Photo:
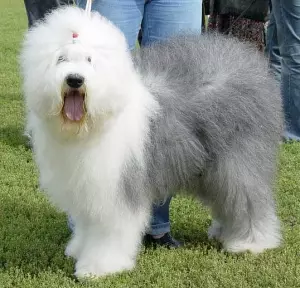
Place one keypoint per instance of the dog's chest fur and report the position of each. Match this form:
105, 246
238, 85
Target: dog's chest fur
84, 176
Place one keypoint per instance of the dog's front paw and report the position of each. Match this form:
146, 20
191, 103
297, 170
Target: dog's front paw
94, 267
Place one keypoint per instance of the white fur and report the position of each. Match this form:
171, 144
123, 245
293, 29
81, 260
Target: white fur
80, 166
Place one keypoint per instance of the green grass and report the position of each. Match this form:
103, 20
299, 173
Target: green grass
33, 233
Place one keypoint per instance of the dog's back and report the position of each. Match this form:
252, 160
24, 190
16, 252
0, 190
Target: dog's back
221, 81
216, 95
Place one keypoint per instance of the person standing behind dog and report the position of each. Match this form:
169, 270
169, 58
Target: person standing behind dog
157, 20
283, 49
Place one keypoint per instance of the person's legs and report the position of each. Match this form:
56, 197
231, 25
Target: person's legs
127, 15
287, 18
163, 19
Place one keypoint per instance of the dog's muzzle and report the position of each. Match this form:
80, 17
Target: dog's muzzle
74, 93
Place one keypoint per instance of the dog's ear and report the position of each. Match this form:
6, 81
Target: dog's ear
88, 7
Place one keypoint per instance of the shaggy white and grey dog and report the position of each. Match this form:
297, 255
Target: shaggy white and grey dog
114, 132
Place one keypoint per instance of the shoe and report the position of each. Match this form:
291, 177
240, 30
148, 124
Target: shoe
166, 241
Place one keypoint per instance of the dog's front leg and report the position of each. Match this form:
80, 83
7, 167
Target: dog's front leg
110, 246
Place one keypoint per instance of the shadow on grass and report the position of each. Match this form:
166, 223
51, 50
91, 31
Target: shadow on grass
194, 235
196, 242
14, 136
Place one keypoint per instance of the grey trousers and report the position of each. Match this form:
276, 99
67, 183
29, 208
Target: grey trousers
36, 9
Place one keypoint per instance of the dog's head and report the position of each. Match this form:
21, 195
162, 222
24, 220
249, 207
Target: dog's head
76, 69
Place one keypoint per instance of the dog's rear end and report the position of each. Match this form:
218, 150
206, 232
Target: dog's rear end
218, 133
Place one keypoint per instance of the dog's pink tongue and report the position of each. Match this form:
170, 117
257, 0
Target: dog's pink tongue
73, 107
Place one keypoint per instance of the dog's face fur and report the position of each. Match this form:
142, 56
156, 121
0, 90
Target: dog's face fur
71, 63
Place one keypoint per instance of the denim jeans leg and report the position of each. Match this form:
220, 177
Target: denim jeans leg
272, 48
161, 220
165, 18
287, 18
127, 15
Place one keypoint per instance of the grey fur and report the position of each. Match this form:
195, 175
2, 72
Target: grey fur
218, 132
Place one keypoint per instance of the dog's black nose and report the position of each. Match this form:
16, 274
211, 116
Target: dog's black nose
75, 80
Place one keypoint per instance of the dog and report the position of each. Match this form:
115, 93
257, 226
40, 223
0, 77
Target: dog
115, 131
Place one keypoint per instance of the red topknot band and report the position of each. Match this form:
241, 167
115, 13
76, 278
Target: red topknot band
75, 35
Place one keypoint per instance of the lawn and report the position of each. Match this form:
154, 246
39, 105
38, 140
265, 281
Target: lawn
33, 233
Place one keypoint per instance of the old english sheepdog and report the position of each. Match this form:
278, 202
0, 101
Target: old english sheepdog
113, 132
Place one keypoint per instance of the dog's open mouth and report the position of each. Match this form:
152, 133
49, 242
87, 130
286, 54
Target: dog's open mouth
74, 105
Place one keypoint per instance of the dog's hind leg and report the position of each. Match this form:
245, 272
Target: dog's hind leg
242, 204
111, 246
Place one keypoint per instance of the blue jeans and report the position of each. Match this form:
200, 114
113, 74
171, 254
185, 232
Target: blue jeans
283, 49
158, 20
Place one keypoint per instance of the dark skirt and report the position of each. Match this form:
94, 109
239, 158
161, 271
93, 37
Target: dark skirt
37, 9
